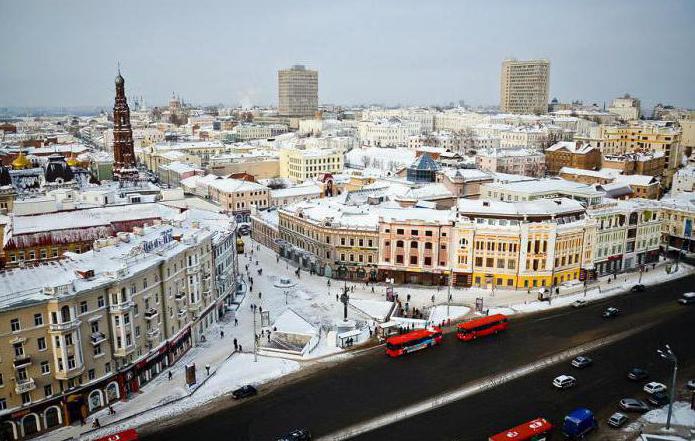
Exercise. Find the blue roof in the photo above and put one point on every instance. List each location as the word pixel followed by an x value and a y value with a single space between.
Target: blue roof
pixel 579 414
pixel 425 162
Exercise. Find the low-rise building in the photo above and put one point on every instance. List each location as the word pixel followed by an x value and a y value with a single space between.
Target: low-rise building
pixel 572 154
pixel 523 161
pixel 238 197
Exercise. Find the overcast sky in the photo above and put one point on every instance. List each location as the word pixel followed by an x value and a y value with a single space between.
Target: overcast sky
pixel 65 52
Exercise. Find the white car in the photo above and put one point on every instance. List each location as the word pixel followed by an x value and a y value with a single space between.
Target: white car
pixel 654 387
pixel 564 382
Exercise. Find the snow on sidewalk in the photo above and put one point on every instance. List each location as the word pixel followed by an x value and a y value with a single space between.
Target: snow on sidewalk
pixel 438 314
pixel 683 415
pixel 237 371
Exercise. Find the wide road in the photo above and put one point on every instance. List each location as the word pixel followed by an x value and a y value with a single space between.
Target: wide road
pixel 371 384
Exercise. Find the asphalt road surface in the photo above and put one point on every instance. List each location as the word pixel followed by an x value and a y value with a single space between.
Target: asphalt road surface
pixel 372 384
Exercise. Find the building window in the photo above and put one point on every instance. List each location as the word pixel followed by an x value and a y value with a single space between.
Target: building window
pixel 97 349
pixel 48 390
pixel 38 319
pixel 413 260
pixel 399 259
pixel 400 231
pixel 45 368
pixel 14 325
pixel 428 261
pixel 3 404
pixel 41 342
pixel 428 245
pixel 413 232
pixel 91 374
pixel 83 307
pixel 68 340
pixel 100 301
pixel 71 362
pixel 26 398
pixel 107 367
pixel 413 244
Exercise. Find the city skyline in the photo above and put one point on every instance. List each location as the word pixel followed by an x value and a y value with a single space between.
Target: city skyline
pixel 412 55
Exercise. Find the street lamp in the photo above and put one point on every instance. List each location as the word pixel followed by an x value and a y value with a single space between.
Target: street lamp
pixel 667 354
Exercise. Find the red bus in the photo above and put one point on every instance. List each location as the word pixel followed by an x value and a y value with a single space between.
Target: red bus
pixel 413 341
pixel 473 329
pixel 126 435
pixel 534 430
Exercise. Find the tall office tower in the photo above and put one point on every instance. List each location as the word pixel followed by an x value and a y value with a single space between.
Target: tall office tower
pixel 298 90
pixel 524 86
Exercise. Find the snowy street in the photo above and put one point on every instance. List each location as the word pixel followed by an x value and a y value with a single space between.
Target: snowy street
pixel 317 303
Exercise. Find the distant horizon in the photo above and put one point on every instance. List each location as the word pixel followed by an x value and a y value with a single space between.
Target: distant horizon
pixel 388 52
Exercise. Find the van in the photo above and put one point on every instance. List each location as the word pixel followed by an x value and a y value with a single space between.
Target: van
pixel 687 298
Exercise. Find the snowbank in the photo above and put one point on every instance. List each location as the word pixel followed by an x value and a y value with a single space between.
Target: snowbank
pixel 438 314
pixel 682 415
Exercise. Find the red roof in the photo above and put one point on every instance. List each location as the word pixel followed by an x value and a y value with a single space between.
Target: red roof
pixel 418 333
pixel 481 321
pixel 524 431
pixel 126 435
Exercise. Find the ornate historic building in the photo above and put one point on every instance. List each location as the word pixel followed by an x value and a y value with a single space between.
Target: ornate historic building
pixel 123 152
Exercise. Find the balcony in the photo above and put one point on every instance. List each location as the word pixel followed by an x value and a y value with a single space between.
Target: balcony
pixel 69 373
pixel 25 386
pixel 124 351
pixel 153 334
pixel 181 296
pixel 22 361
pixel 121 307
pixel 195 307
pixel 193 269
pixel 151 314
pixel 97 337
pixel 65 326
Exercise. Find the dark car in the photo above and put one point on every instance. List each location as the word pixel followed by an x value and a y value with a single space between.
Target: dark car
pixel 637 374
pixel 637 288
pixel 582 362
pixel 633 405
pixel 610 312
pixel 297 435
pixel 659 399
pixel 244 392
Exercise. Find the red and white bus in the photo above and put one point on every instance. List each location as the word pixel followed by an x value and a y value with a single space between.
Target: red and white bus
pixel 473 329
pixel 534 430
pixel 413 341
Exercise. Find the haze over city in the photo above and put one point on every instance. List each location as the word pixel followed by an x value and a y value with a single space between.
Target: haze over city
pixel 390 52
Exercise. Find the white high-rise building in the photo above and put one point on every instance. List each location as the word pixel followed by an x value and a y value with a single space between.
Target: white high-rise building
pixel 298 91
pixel 524 86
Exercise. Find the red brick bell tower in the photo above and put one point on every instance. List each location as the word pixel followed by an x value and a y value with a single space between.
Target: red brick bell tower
pixel 123 153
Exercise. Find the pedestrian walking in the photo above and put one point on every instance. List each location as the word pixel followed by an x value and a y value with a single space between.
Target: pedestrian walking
pixel 432 298
pixel 96 424
pixel 240 350
pixel 372 290
pixel 170 375
pixel 336 297
pixel 236 321
pixel 111 411
pixel 236 345
pixel 260 294
pixel 268 337
pixel 221 333
pixel 207 368
pixel 277 259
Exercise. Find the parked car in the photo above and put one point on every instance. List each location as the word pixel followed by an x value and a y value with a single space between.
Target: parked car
pixel 610 312
pixel 578 423
pixel 691 384
pixel 633 405
pixel 244 392
pixel 617 420
pixel 654 387
pixel 579 303
pixel 687 298
pixel 637 288
pixel 297 435
pixel 659 399
pixel 637 374
pixel 582 362
pixel 564 381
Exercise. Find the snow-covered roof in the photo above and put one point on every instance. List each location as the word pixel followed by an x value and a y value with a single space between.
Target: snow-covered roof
pixel 572 147
pixel 229 185
pixel 91 217
pixel 290 322
pixel 538 207
pixel 296 191
pixel 20 287
pixel 640 180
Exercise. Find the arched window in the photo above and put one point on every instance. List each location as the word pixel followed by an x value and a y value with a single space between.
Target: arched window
pixel 399 244
pixel 463 242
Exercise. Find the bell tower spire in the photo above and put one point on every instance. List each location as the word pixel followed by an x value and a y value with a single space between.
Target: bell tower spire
pixel 123 151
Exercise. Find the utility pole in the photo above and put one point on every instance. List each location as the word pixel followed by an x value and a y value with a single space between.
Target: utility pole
pixel 345 299
pixel 448 294
pixel 255 336
pixel 667 354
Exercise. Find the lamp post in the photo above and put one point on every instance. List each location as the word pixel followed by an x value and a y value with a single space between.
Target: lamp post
pixel 667 354
pixel 255 336
pixel 345 298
